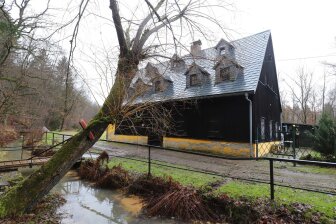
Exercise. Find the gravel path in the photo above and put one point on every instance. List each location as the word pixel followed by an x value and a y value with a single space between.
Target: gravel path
pixel 233 168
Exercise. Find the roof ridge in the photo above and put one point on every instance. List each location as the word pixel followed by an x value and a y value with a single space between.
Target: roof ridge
pixel 231 42
pixel 268 31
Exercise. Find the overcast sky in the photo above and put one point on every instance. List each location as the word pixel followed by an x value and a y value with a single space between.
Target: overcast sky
pixel 303 32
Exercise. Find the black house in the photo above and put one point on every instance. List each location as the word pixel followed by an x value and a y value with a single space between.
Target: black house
pixel 234 95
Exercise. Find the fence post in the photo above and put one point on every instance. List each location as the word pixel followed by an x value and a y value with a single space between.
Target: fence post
pixel 53 139
pixel 22 147
pixel 23 139
pixel 271 179
pixel 149 161
pixel 46 138
pixel 257 149
pixel 294 143
pixel 62 139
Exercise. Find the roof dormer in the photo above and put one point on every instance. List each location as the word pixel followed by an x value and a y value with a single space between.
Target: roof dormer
pixel 196 76
pixel 225 48
pixel 140 87
pixel 160 84
pixel 227 70
pixel 151 71
pixel 177 64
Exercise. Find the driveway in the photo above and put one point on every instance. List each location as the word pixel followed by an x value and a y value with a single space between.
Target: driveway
pixel 284 173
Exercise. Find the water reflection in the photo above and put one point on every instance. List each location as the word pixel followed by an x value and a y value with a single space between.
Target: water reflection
pixel 86 204
pixel 13 151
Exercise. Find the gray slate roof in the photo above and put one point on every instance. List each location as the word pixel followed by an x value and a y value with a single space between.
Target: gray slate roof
pixel 250 52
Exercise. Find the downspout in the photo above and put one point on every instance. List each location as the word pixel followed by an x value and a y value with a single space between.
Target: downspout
pixel 250 115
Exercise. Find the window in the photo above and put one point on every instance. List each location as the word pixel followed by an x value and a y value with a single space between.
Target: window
pixel 222 51
pixel 224 74
pixel 262 128
pixel 193 80
pixel 276 130
pixel 157 86
pixel 270 129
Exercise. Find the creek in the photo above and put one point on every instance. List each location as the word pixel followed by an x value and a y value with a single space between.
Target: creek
pixel 86 204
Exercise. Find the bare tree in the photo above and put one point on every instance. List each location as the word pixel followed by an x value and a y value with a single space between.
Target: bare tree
pixel 17 43
pixel 21 28
pixel 302 91
pixel 134 47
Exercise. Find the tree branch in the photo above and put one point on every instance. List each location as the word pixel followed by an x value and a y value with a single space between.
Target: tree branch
pixel 119 28
pixel 142 26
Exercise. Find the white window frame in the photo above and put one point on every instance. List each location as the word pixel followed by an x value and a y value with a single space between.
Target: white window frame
pixel 262 128
pixel 271 130
pixel 193 79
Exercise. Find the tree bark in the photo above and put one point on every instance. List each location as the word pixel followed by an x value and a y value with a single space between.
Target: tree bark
pixel 24 196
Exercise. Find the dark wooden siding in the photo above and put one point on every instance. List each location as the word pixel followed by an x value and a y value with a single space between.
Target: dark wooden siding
pixel 223 118
pixel 266 101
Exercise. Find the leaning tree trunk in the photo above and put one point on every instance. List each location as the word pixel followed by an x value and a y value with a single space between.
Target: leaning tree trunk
pixel 24 196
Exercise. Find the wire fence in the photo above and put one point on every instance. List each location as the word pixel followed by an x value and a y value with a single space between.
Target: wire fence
pixel 272 156
pixel 272 152
pixel 295 143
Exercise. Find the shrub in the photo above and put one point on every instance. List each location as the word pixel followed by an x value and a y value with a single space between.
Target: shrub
pixel 8 134
pixel 325 136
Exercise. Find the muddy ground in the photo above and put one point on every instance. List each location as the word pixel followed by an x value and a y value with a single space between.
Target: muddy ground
pixel 284 173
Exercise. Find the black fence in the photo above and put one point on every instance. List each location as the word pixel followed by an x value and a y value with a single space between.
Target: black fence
pixel 295 142
pixel 150 150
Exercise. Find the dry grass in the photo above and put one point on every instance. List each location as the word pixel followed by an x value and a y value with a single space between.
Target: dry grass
pixel 183 204
pixel 114 178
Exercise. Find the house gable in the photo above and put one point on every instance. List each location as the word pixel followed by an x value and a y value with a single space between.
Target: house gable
pixel 266 101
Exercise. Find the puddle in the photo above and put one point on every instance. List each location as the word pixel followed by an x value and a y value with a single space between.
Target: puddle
pixel 131 204
pixel 86 204
pixel 13 151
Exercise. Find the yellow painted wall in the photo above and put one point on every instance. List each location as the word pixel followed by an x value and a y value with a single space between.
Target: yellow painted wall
pixel 125 138
pixel 264 148
pixel 220 147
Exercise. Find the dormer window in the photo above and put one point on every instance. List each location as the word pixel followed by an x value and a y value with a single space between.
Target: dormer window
pixel 157 86
pixel 196 76
pixel 193 80
pixel 227 69
pixel 224 74
pixel 140 87
pixel 222 50
pixel 177 64
pixel 225 48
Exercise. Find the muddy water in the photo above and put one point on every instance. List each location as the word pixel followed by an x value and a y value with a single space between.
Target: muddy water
pixel 86 204
pixel 13 151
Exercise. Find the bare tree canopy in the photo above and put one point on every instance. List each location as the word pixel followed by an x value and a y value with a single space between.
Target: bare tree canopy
pixel 141 39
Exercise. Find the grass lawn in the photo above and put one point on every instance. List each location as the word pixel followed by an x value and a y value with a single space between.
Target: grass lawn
pixel 306 168
pixel 313 169
pixel 182 176
pixel 58 138
pixel 319 202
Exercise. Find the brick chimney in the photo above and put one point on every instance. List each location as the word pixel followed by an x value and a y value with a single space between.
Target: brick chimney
pixel 196 48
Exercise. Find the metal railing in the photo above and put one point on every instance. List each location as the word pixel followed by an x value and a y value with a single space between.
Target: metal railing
pixel 271 182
